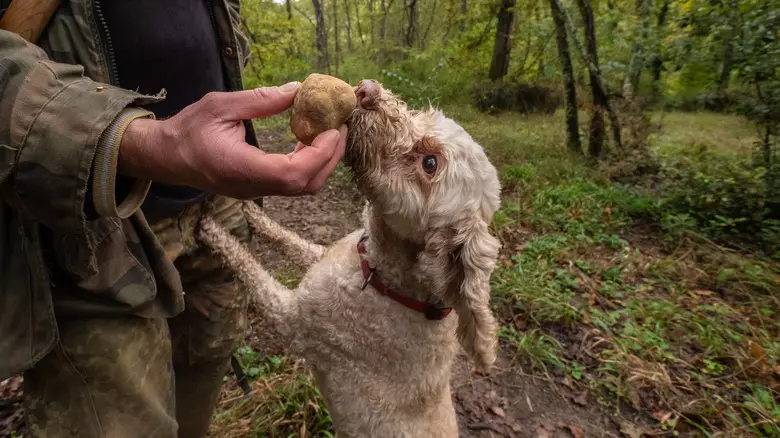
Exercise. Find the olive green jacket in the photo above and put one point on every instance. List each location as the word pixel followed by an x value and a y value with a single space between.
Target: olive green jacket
pixel 57 102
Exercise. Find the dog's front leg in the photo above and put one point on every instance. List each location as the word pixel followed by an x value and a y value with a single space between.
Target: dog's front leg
pixel 276 301
pixel 299 250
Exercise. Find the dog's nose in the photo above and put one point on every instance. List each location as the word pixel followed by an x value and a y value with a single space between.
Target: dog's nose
pixel 367 92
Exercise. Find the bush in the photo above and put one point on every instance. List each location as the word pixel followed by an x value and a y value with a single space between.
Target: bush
pixel 515 96
pixel 727 196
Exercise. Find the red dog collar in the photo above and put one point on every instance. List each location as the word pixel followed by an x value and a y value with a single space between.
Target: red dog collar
pixel 431 311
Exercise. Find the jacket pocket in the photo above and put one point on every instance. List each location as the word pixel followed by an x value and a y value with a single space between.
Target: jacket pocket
pixel 27 327
pixel 111 263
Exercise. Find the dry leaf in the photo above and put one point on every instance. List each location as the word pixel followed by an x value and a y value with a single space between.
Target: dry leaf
pixel 567 382
pixel 543 432
pixel 662 416
pixel 592 299
pixel 575 431
pixel 777 369
pixel 520 323
pixel 703 293
pixel 515 427
pixel 631 430
pixel 608 211
pixel 757 351
pixel 582 399
pixel 498 411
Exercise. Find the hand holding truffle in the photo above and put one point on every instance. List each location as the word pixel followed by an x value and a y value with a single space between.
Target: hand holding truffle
pixel 203 147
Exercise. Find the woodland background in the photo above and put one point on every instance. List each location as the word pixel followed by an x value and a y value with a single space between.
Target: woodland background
pixel 637 144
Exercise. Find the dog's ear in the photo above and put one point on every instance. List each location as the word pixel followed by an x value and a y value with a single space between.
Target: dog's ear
pixel 459 262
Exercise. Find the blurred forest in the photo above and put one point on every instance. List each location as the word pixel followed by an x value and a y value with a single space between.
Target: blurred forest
pixel 637 142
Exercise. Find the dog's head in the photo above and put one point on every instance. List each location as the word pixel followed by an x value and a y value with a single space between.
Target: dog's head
pixel 434 186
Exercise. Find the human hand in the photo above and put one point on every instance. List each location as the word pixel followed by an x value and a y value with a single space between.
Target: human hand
pixel 204 147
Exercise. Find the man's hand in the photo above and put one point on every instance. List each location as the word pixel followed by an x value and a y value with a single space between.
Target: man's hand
pixel 203 147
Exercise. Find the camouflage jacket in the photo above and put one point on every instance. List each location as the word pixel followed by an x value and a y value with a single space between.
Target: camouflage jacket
pixel 56 100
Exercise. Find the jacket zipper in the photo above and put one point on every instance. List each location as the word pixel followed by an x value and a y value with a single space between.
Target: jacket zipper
pixel 113 72
pixel 212 17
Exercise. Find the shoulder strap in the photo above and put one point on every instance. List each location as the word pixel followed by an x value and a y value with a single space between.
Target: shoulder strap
pixel 28 17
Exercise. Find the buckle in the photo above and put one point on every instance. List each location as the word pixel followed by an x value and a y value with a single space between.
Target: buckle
pixel 367 280
pixel 436 311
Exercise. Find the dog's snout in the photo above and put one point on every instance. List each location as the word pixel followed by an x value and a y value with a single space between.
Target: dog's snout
pixel 367 92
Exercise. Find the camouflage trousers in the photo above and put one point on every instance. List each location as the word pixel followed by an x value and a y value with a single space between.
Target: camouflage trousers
pixel 142 377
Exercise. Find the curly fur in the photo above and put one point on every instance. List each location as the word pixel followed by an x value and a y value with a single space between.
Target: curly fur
pixel 383 369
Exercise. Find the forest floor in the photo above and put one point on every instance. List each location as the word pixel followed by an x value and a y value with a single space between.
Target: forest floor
pixel 617 320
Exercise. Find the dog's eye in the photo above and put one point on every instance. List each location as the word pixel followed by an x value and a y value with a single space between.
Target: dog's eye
pixel 429 163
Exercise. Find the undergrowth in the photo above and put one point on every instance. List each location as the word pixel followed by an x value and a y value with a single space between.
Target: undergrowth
pixel 624 290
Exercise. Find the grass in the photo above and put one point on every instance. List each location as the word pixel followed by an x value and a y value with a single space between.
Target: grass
pixel 599 283
pixel 665 322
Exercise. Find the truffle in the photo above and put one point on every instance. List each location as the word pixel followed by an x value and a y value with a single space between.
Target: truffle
pixel 323 102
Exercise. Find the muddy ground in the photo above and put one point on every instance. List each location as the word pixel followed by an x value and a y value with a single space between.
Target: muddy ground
pixel 507 403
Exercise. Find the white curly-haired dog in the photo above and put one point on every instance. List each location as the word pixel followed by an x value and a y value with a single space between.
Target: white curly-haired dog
pixel 372 314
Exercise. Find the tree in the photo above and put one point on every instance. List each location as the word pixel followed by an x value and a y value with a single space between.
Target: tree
pixel 658 60
pixel 336 34
pixel 595 74
pixel 638 56
pixel 349 25
pixel 728 45
pixel 323 63
pixel 569 92
pixel 412 28
pixel 596 140
pixel 499 67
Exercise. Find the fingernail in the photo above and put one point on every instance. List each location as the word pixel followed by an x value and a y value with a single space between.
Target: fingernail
pixel 291 86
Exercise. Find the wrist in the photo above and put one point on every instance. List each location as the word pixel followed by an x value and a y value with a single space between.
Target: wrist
pixel 137 154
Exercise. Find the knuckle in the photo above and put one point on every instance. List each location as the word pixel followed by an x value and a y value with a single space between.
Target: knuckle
pixel 211 98
pixel 263 93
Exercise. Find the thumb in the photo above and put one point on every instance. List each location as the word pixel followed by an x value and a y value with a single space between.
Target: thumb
pixel 255 103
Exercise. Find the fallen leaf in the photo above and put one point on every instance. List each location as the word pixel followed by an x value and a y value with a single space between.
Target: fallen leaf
pixel 582 399
pixel 520 323
pixel 498 411
pixel 662 416
pixel 757 351
pixel 567 382
pixel 631 430
pixel 542 432
pixel 703 293
pixel 777 369
pixel 575 431
pixel 608 211
pixel 516 428
pixel 592 299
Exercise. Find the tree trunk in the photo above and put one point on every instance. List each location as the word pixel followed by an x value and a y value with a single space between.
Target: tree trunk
pixel 595 74
pixel 323 63
pixel 428 27
pixel 596 140
pixel 412 26
pixel 372 23
pixel 383 23
pixel 499 67
pixel 288 4
pixel 658 61
pixel 349 25
pixel 570 93
pixel 359 27
pixel 337 40
pixel 638 56
pixel 728 49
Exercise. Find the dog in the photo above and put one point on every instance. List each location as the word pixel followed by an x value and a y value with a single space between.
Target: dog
pixel 373 316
